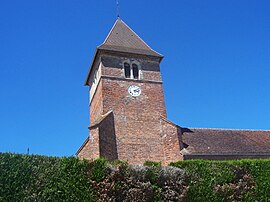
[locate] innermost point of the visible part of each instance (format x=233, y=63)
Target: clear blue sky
x=216, y=68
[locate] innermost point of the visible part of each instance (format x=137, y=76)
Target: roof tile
x=123, y=38
x=226, y=142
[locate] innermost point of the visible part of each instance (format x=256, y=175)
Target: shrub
x=41, y=178
x=98, y=169
x=152, y=164
x=239, y=180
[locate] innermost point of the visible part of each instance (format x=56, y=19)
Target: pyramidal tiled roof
x=123, y=39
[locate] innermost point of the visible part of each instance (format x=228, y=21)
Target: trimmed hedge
x=41, y=178
x=242, y=180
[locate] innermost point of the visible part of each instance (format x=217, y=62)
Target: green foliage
x=118, y=162
x=152, y=164
x=98, y=169
x=223, y=180
x=157, y=190
x=41, y=178
x=152, y=172
x=260, y=171
x=204, y=175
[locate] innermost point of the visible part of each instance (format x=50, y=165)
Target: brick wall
x=137, y=119
x=91, y=148
x=108, y=147
x=96, y=105
x=171, y=138
x=139, y=132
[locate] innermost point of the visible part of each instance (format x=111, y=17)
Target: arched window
x=127, y=70
x=135, y=71
x=132, y=69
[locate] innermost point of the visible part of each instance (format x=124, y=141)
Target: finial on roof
x=117, y=9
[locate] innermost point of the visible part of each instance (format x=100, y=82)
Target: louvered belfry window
x=135, y=71
x=131, y=70
x=127, y=70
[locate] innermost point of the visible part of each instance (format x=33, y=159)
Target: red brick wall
x=171, y=138
x=101, y=142
x=91, y=148
x=137, y=124
x=108, y=147
x=96, y=106
x=150, y=75
x=111, y=71
x=139, y=133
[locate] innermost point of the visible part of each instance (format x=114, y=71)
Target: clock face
x=134, y=90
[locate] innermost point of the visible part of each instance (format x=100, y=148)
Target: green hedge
x=242, y=180
x=41, y=178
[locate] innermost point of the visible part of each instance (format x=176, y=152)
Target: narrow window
x=135, y=71
x=95, y=77
x=127, y=70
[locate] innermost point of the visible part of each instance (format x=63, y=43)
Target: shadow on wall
x=108, y=147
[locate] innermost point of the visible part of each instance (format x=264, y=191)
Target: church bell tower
x=128, y=118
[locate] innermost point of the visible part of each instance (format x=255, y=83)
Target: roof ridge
x=168, y=121
x=110, y=31
x=231, y=129
x=99, y=120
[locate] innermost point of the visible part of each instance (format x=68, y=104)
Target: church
x=128, y=119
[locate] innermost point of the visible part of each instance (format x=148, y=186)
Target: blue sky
x=215, y=71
